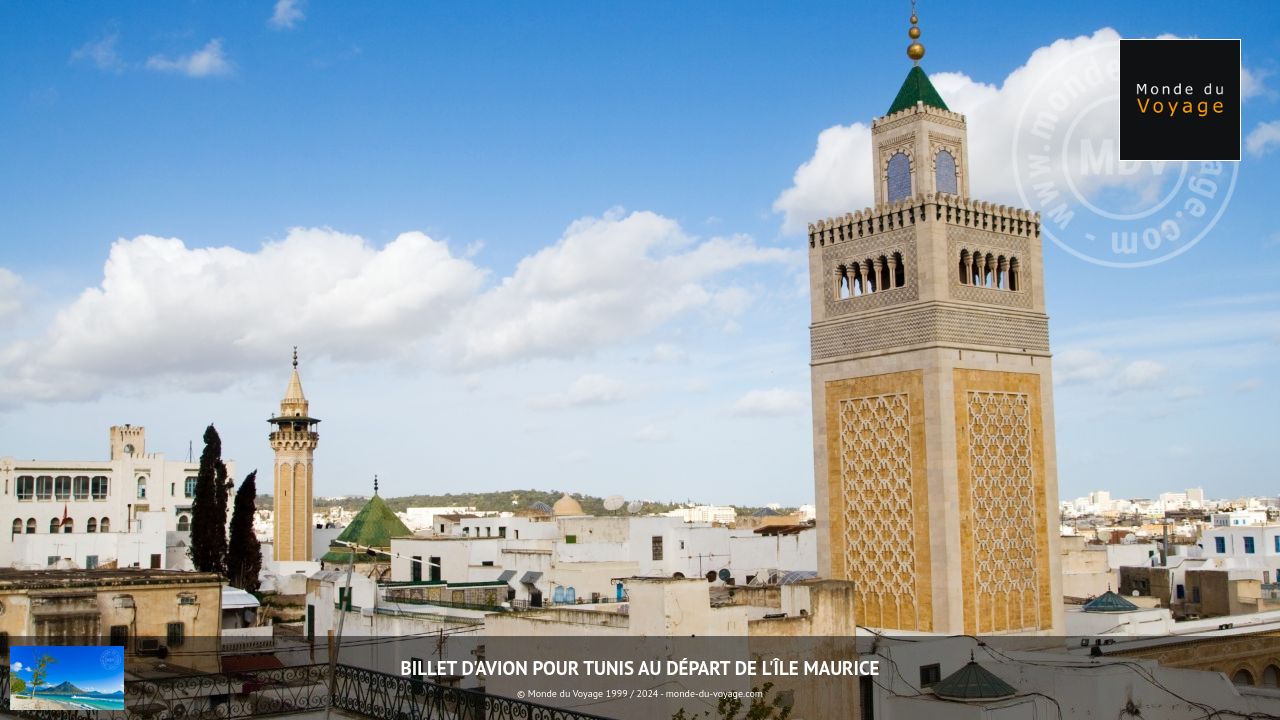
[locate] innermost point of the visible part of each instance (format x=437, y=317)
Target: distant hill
x=503, y=500
x=62, y=688
x=95, y=693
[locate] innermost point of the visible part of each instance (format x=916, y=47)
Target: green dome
x=1109, y=602
x=916, y=88
x=373, y=526
x=973, y=683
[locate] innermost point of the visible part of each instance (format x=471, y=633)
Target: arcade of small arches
x=1268, y=677
x=864, y=277
x=59, y=525
x=987, y=270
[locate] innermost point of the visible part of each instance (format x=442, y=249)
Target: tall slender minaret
x=933, y=396
x=294, y=442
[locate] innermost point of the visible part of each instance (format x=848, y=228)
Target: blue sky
x=90, y=668
x=552, y=245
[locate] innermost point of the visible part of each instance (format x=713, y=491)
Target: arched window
x=1242, y=677
x=899, y=177
x=69, y=525
x=1002, y=273
x=142, y=488
x=989, y=271
x=842, y=279
x=17, y=526
x=54, y=524
x=184, y=523
x=899, y=270
x=1271, y=676
x=1013, y=273
x=104, y=525
x=965, y=272
x=91, y=526
x=945, y=173
x=31, y=526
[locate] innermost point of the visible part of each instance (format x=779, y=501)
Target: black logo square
x=1179, y=100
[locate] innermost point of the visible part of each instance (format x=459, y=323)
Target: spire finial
x=295, y=357
x=915, y=50
x=375, y=484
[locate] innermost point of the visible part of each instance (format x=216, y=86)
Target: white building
x=81, y=498
x=1237, y=518
x=1254, y=545
x=722, y=514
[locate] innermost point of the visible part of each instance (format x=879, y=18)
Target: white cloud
x=201, y=316
x=586, y=391
x=1249, y=386
x=1080, y=365
x=1086, y=366
x=666, y=354
x=16, y=666
x=286, y=14
x=652, y=433
x=1251, y=83
x=208, y=61
x=1140, y=375
x=166, y=315
x=102, y=53
x=1263, y=138
x=771, y=403
x=607, y=278
x=10, y=294
x=838, y=177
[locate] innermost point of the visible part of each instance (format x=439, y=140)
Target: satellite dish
x=613, y=502
x=634, y=506
x=725, y=575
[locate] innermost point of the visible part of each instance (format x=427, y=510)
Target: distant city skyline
x=522, y=253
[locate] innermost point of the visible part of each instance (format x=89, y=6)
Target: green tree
x=40, y=673
x=761, y=707
x=208, y=548
x=17, y=685
x=244, y=552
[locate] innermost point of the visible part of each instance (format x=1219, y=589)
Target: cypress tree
x=209, y=508
x=244, y=552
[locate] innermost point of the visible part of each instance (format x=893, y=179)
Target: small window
x=434, y=569
x=68, y=525
x=17, y=526
x=1248, y=546
x=1220, y=544
x=90, y=562
x=1277, y=539
x=120, y=635
x=142, y=488
x=415, y=568
x=930, y=675
x=1181, y=592
x=155, y=561
x=51, y=560
x=175, y=633
x=184, y=523
x=189, y=487
x=54, y=525
x=62, y=488
x=26, y=487
x=486, y=563
x=899, y=177
x=44, y=487
x=945, y=172
x=104, y=525
x=31, y=526
x=99, y=487
x=570, y=539
x=80, y=487
x=502, y=531
x=657, y=547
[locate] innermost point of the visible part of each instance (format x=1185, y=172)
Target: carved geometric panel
x=878, y=506
x=1004, y=535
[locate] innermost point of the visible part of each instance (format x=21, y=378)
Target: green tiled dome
x=373, y=526
x=916, y=88
x=973, y=683
x=1109, y=602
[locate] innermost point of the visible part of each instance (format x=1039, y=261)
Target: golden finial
x=295, y=357
x=915, y=50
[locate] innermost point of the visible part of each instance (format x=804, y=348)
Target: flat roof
x=11, y=579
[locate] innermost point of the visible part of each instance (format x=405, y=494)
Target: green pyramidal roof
x=373, y=526
x=916, y=88
x=1109, y=602
x=973, y=682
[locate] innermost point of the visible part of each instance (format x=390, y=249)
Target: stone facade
x=933, y=410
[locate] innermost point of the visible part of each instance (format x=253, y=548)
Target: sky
x=90, y=668
x=562, y=246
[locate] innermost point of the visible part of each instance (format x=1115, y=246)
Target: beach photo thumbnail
x=71, y=677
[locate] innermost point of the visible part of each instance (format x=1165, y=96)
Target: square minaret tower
x=934, y=456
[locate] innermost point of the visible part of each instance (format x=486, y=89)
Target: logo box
x=1180, y=100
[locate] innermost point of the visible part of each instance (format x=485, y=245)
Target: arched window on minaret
x=1013, y=273
x=899, y=270
x=966, y=269
x=945, y=173
x=843, y=292
x=899, y=177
